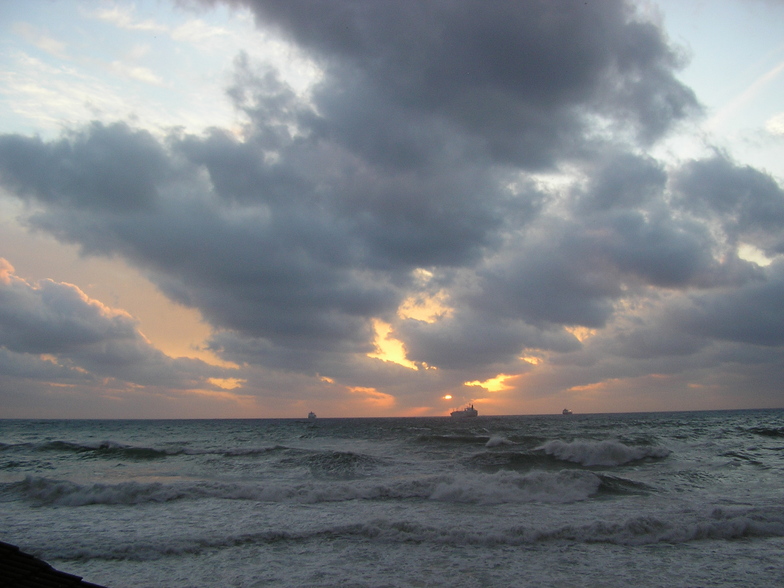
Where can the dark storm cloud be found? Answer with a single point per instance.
(105, 168)
(748, 203)
(510, 81)
(621, 180)
(752, 314)
(479, 341)
(571, 273)
(80, 338)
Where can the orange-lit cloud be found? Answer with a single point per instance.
(493, 384)
(245, 400)
(227, 383)
(373, 397)
(387, 347)
(581, 333)
(532, 359)
(424, 306)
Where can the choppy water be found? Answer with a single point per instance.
(668, 499)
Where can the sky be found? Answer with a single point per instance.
(259, 208)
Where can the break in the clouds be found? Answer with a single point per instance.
(469, 183)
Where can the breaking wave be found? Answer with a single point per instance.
(497, 440)
(601, 453)
(502, 487)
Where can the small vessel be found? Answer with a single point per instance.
(468, 411)
(566, 411)
(311, 416)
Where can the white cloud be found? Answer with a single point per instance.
(775, 124)
(40, 39)
(198, 32)
(136, 72)
(123, 17)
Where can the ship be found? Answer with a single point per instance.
(468, 411)
(311, 416)
(566, 411)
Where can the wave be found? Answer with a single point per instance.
(456, 439)
(249, 451)
(646, 530)
(634, 531)
(601, 453)
(502, 487)
(46, 491)
(115, 450)
(107, 449)
(332, 464)
(486, 439)
(739, 456)
(512, 487)
(513, 460)
(557, 454)
(768, 431)
(497, 440)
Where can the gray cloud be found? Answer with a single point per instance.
(515, 81)
(751, 314)
(621, 180)
(748, 203)
(104, 168)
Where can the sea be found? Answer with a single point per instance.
(654, 499)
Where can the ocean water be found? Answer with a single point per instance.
(665, 499)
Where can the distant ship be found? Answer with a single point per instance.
(567, 411)
(311, 416)
(468, 411)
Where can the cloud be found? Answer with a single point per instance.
(751, 314)
(416, 153)
(54, 330)
(40, 39)
(519, 84)
(746, 202)
(136, 72)
(775, 124)
(99, 168)
(124, 18)
(197, 32)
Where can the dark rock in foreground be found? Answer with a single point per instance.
(20, 570)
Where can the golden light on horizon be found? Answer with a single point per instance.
(447, 397)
